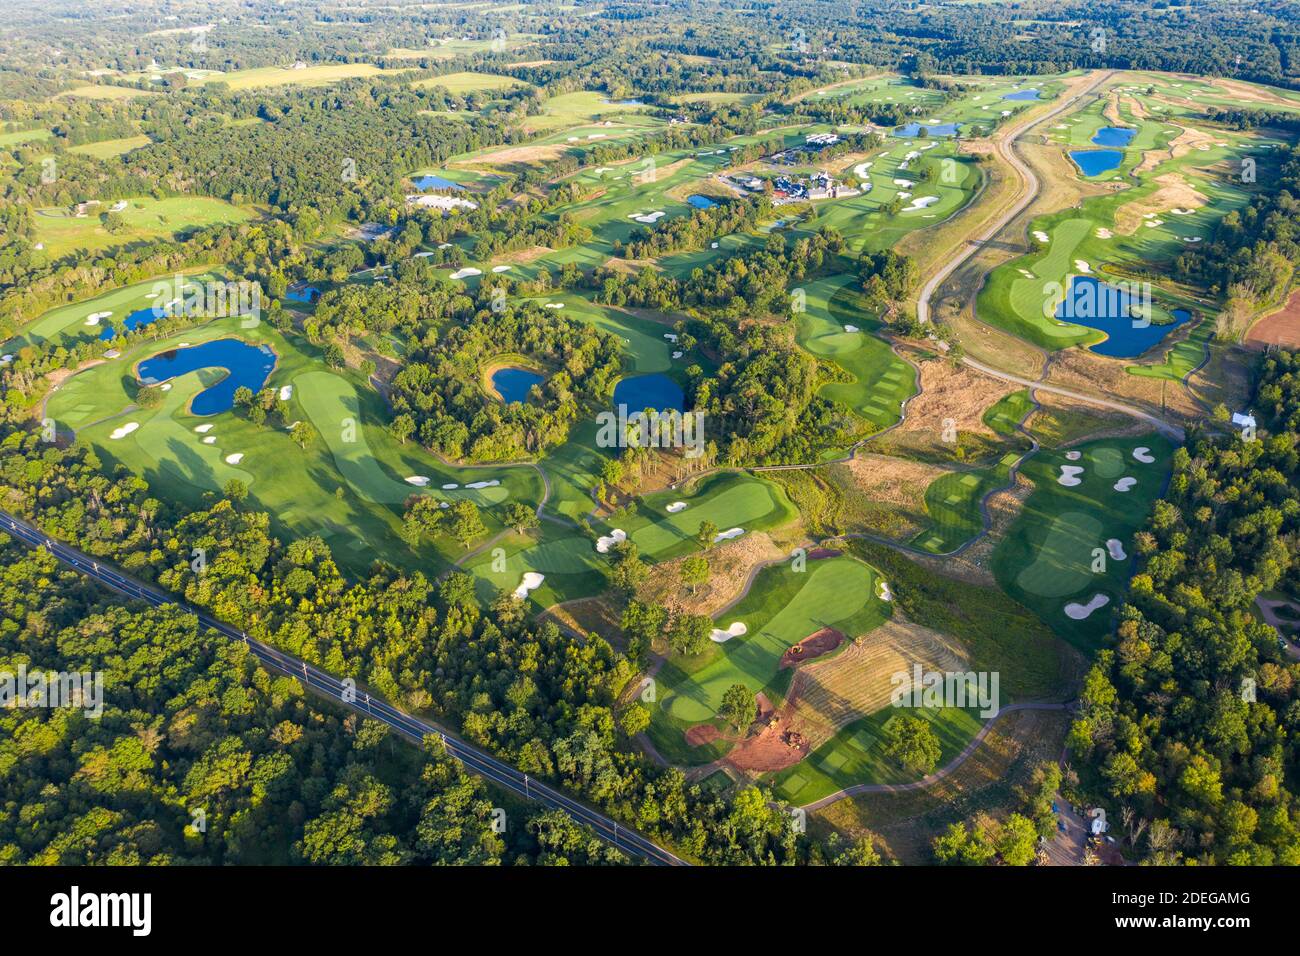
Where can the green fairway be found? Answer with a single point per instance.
(143, 218)
(856, 754)
(783, 607)
(1056, 553)
(347, 486)
(729, 500)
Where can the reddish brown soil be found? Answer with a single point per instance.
(702, 734)
(772, 748)
(1281, 328)
(817, 553)
(813, 646)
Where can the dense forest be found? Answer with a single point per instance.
(1189, 721)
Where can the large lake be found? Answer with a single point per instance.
(431, 181)
(1094, 162)
(248, 365)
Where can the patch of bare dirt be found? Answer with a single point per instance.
(1281, 328)
(811, 647)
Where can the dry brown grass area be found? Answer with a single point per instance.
(589, 616)
(1174, 193)
(730, 564)
(1086, 371)
(530, 155)
(825, 696)
(906, 823)
(951, 391)
(884, 494)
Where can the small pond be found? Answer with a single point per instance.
(248, 365)
(513, 384)
(1107, 308)
(1094, 162)
(1114, 136)
(1022, 95)
(701, 202)
(657, 391)
(938, 129)
(431, 181)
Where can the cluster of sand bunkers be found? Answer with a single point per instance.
(1070, 477)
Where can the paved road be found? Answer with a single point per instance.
(1027, 194)
(475, 760)
(1031, 185)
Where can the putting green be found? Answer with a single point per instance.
(1062, 565)
(727, 500)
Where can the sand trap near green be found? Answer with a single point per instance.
(331, 403)
(783, 607)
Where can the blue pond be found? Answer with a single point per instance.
(657, 391)
(513, 384)
(435, 182)
(135, 320)
(1114, 136)
(305, 294)
(1098, 305)
(1094, 162)
(1022, 95)
(248, 365)
(701, 202)
(940, 129)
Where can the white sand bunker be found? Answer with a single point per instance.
(1143, 454)
(484, 484)
(1073, 455)
(649, 218)
(420, 480)
(94, 317)
(1125, 483)
(210, 440)
(1104, 233)
(466, 273)
(1070, 475)
(1192, 239)
(670, 336)
(124, 430)
(1154, 223)
(235, 459)
(675, 507)
(677, 354)
(286, 392)
(923, 202)
(1079, 612)
(555, 305)
(607, 541)
(1116, 548)
(500, 268)
(860, 170)
(531, 582)
(1182, 212)
(1042, 236)
(903, 182)
(885, 594)
(450, 487)
(728, 534)
(165, 386)
(1082, 265)
(850, 328)
(719, 636)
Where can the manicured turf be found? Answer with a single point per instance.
(729, 500)
(143, 218)
(1046, 559)
(349, 492)
(856, 754)
(882, 380)
(783, 607)
(1004, 415)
